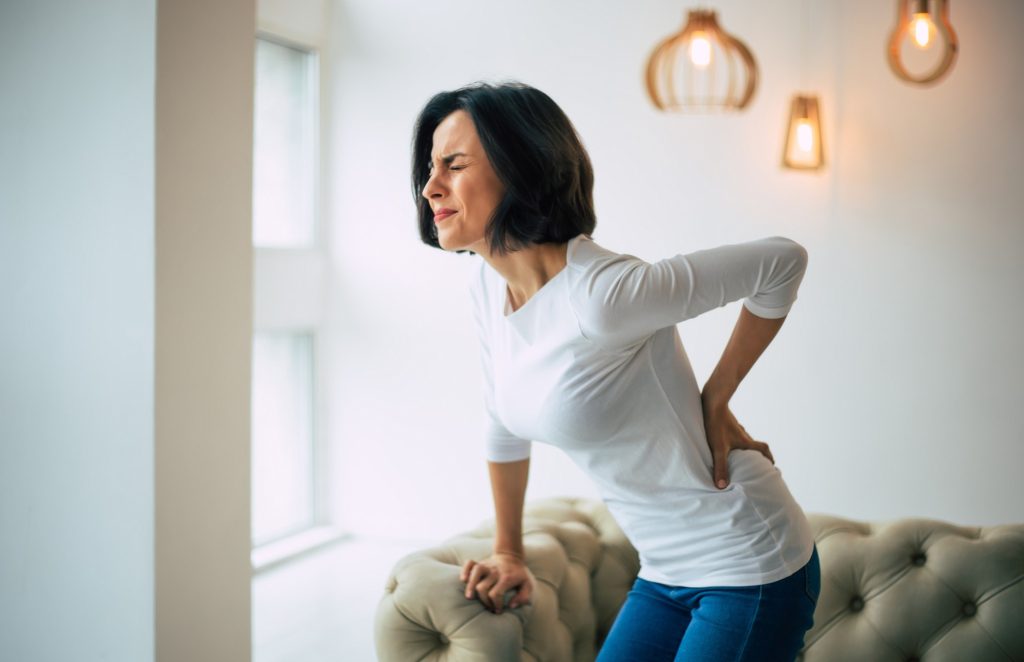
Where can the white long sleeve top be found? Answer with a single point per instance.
(593, 363)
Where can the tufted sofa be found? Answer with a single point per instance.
(911, 589)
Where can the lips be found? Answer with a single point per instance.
(440, 216)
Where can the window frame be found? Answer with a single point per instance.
(308, 266)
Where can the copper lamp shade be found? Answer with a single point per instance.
(701, 68)
(803, 149)
(923, 35)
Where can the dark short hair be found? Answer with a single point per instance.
(535, 152)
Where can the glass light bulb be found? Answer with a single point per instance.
(922, 30)
(700, 49)
(804, 136)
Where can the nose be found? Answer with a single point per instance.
(431, 188)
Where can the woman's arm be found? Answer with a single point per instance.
(623, 299)
(508, 487)
(748, 340)
(489, 579)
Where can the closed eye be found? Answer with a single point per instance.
(430, 169)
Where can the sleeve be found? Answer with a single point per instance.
(500, 445)
(628, 299)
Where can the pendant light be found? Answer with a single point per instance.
(803, 148)
(924, 38)
(701, 68)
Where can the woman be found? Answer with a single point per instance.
(580, 349)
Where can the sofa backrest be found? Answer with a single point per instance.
(912, 588)
(890, 591)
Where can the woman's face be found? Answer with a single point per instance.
(461, 180)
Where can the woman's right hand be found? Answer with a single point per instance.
(490, 578)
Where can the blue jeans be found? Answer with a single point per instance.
(716, 623)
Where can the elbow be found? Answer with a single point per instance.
(801, 253)
(797, 252)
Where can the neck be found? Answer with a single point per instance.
(528, 269)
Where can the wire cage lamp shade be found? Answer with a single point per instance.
(923, 45)
(701, 68)
(803, 149)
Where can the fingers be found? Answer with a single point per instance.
(497, 593)
(523, 596)
(760, 447)
(477, 573)
(724, 434)
(721, 467)
(489, 586)
(479, 580)
(720, 470)
(483, 591)
(763, 447)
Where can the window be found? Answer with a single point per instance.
(282, 435)
(285, 139)
(289, 495)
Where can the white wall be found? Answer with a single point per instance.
(919, 358)
(893, 388)
(125, 281)
(76, 338)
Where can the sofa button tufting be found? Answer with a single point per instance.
(918, 559)
(444, 639)
(970, 609)
(857, 603)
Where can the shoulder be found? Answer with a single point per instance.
(596, 267)
(586, 253)
(600, 280)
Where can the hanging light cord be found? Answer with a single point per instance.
(803, 47)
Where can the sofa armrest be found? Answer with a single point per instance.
(583, 566)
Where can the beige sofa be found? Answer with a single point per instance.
(910, 589)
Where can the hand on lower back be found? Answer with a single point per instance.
(725, 434)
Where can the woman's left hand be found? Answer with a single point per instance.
(724, 434)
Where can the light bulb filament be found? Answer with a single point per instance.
(700, 49)
(922, 29)
(804, 136)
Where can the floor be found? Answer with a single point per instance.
(320, 607)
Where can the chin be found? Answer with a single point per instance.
(446, 244)
(450, 241)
